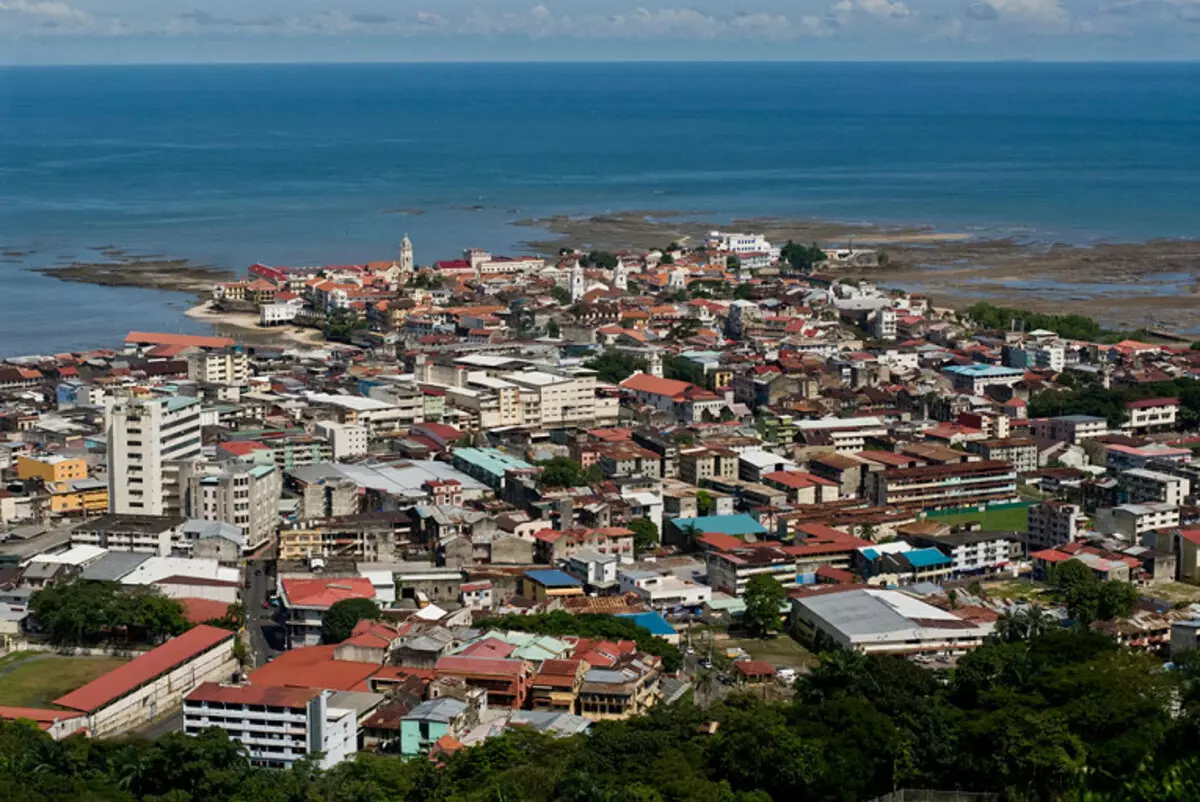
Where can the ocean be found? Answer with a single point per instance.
(310, 164)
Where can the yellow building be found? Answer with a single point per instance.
(52, 469)
(545, 584)
(78, 497)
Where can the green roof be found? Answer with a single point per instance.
(491, 460)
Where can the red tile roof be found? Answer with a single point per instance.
(326, 592)
(678, 390)
(124, 679)
(243, 447)
(274, 695)
(1152, 402)
(479, 666)
(315, 667)
(43, 718)
(754, 668)
(160, 338)
(197, 611)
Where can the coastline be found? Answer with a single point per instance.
(1151, 284)
(244, 326)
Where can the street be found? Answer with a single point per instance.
(266, 635)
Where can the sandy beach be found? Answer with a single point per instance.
(244, 326)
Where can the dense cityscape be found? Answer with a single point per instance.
(725, 520)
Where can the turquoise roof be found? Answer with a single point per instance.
(179, 402)
(739, 524)
(491, 460)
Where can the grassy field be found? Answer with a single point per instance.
(1014, 519)
(39, 679)
(1021, 591)
(1174, 592)
(781, 650)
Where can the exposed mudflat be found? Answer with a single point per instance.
(1122, 285)
(120, 268)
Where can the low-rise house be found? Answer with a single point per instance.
(305, 602)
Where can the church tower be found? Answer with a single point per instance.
(655, 364)
(406, 255)
(578, 284)
(621, 276)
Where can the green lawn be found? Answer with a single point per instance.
(1013, 519)
(39, 679)
(1021, 591)
(15, 657)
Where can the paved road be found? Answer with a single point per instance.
(266, 635)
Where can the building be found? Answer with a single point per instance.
(1139, 486)
(78, 497)
(506, 681)
(1020, 452)
(147, 440)
(552, 545)
(628, 688)
(1072, 429)
(973, 552)
(977, 377)
(51, 469)
(346, 440)
(946, 486)
(1053, 523)
(429, 722)
(845, 435)
(153, 684)
(144, 534)
(683, 401)
(230, 366)
(1151, 415)
(542, 585)
(238, 493)
(874, 621)
(1131, 521)
(277, 726)
(305, 602)
(660, 590)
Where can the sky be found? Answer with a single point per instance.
(219, 31)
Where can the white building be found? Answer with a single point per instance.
(1053, 523)
(142, 437)
(742, 243)
(229, 366)
(1131, 521)
(1140, 485)
(278, 313)
(238, 493)
(886, 622)
(660, 590)
(278, 726)
(846, 435)
(345, 439)
(1151, 414)
(1070, 428)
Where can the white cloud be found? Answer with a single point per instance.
(50, 10)
(843, 11)
(1043, 11)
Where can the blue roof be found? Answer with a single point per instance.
(740, 524)
(552, 578)
(652, 621)
(926, 558)
(491, 460)
(982, 369)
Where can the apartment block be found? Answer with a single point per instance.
(237, 493)
(1139, 485)
(944, 486)
(277, 726)
(144, 437)
(1053, 523)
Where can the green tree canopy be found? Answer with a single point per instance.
(800, 256)
(566, 472)
(764, 596)
(602, 259)
(85, 612)
(683, 369)
(1087, 598)
(645, 534)
(615, 366)
(343, 616)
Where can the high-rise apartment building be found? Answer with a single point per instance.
(147, 440)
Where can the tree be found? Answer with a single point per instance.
(562, 472)
(801, 257)
(704, 503)
(86, 612)
(341, 618)
(683, 369)
(341, 323)
(615, 366)
(602, 259)
(552, 329)
(645, 534)
(764, 596)
(561, 294)
(1087, 599)
(733, 263)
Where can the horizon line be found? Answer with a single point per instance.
(605, 62)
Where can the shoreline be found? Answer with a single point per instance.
(1150, 284)
(246, 324)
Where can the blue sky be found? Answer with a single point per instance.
(123, 31)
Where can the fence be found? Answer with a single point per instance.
(13, 645)
(983, 508)
(926, 795)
